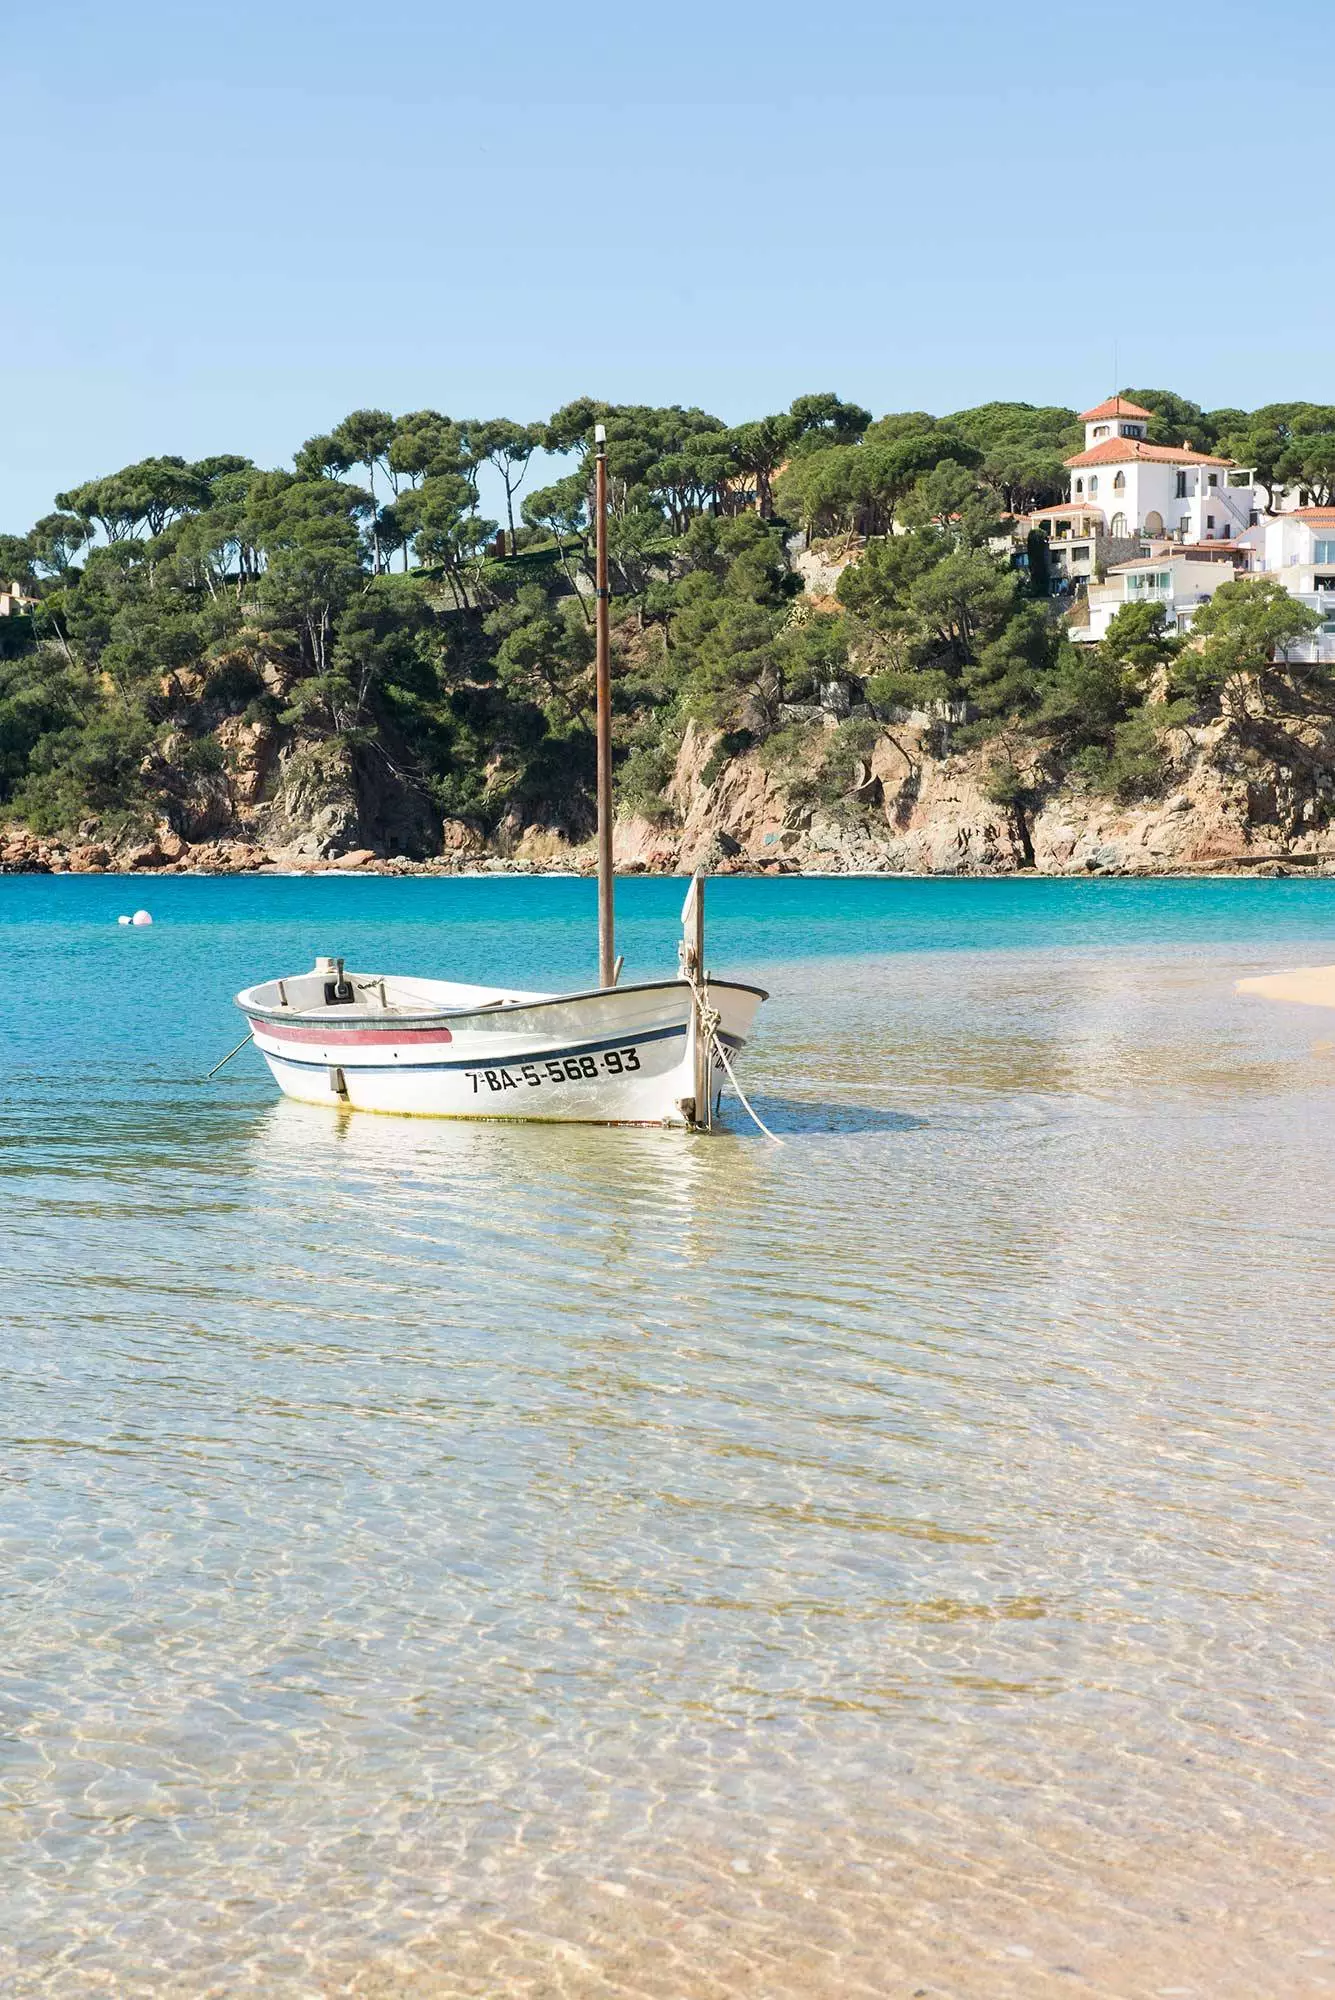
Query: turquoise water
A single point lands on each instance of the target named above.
(443, 1559)
(160, 1000)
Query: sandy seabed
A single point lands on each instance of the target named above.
(454, 1563)
(997, 1920)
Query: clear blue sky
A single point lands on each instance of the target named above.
(228, 224)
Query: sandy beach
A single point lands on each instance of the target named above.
(1309, 986)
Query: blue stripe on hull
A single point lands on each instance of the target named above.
(496, 1061)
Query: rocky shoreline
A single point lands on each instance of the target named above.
(913, 809)
(31, 855)
(1241, 867)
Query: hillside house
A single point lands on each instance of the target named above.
(1079, 545)
(1179, 579)
(1157, 492)
(1298, 550)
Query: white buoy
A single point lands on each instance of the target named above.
(142, 917)
(124, 920)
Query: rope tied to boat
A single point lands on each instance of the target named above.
(710, 1021)
(230, 1053)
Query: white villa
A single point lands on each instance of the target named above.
(1157, 491)
(1130, 499)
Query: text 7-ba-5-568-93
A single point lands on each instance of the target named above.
(570, 1069)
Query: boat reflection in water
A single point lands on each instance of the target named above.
(524, 1198)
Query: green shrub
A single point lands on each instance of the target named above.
(642, 780)
(1005, 786)
(233, 682)
(845, 751)
(1135, 763)
(202, 756)
(732, 743)
(82, 769)
(908, 689)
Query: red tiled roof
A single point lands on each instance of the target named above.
(1309, 514)
(1116, 406)
(1119, 451)
(1065, 507)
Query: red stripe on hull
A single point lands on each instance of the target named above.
(315, 1032)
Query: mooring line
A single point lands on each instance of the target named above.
(710, 1020)
(228, 1057)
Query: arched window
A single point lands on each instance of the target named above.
(1119, 484)
(1079, 485)
(1093, 482)
(1117, 528)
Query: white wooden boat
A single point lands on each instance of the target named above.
(643, 1054)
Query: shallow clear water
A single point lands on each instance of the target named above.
(465, 1560)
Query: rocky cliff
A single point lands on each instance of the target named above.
(1239, 797)
(917, 808)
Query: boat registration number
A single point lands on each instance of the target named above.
(569, 1069)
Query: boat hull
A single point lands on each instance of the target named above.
(627, 1055)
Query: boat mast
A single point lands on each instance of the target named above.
(603, 675)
